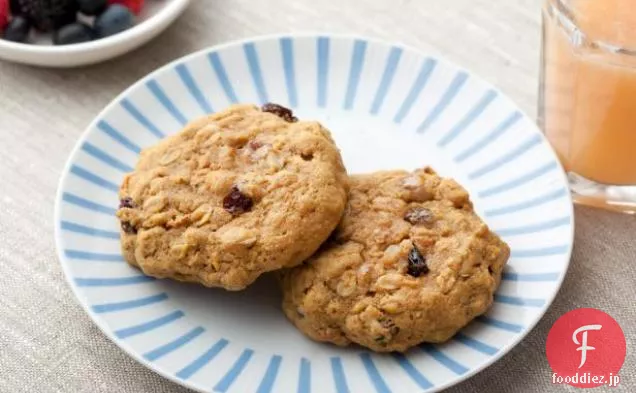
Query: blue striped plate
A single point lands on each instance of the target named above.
(388, 107)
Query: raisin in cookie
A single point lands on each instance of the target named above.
(233, 195)
(410, 262)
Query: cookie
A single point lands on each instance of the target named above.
(232, 196)
(410, 262)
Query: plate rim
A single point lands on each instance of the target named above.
(276, 36)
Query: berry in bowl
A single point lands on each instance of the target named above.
(68, 33)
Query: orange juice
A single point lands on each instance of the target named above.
(589, 87)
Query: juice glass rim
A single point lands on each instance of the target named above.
(563, 13)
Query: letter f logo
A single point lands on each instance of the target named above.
(583, 344)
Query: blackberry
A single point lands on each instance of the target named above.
(14, 5)
(46, 15)
(92, 7)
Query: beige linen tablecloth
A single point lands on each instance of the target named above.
(48, 343)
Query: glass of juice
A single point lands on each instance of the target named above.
(587, 97)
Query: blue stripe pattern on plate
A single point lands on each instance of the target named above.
(104, 157)
(323, 70)
(506, 158)
(339, 378)
(539, 252)
(410, 369)
(87, 204)
(519, 301)
(174, 345)
(112, 282)
(476, 344)
(304, 379)
(444, 101)
(141, 118)
(444, 359)
(534, 228)
(488, 139)
(234, 372)
(531, 277)
(129, 304)
(392, 62)
(377, 380)
(519, 181)
(267, 383)
(287, 50)
(84, 230)
(221, 74)
(167, 103)
(193, 88)
(530, 203)
(422, 78)
(488, 97)
(255, 70)
(109, 130)
(355, 71)
(93, 256)
(202, 360)
(150, 325)
(93, 178)
(511, 327)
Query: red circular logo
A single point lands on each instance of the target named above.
(586, 348)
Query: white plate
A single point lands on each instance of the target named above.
(156, 16)
(388, 107)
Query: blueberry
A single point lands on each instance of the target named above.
(17, 30)
(115, 19)
(74, 33)
(92, 7)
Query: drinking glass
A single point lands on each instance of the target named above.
(587, 97)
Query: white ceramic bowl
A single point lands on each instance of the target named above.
(155, 18)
